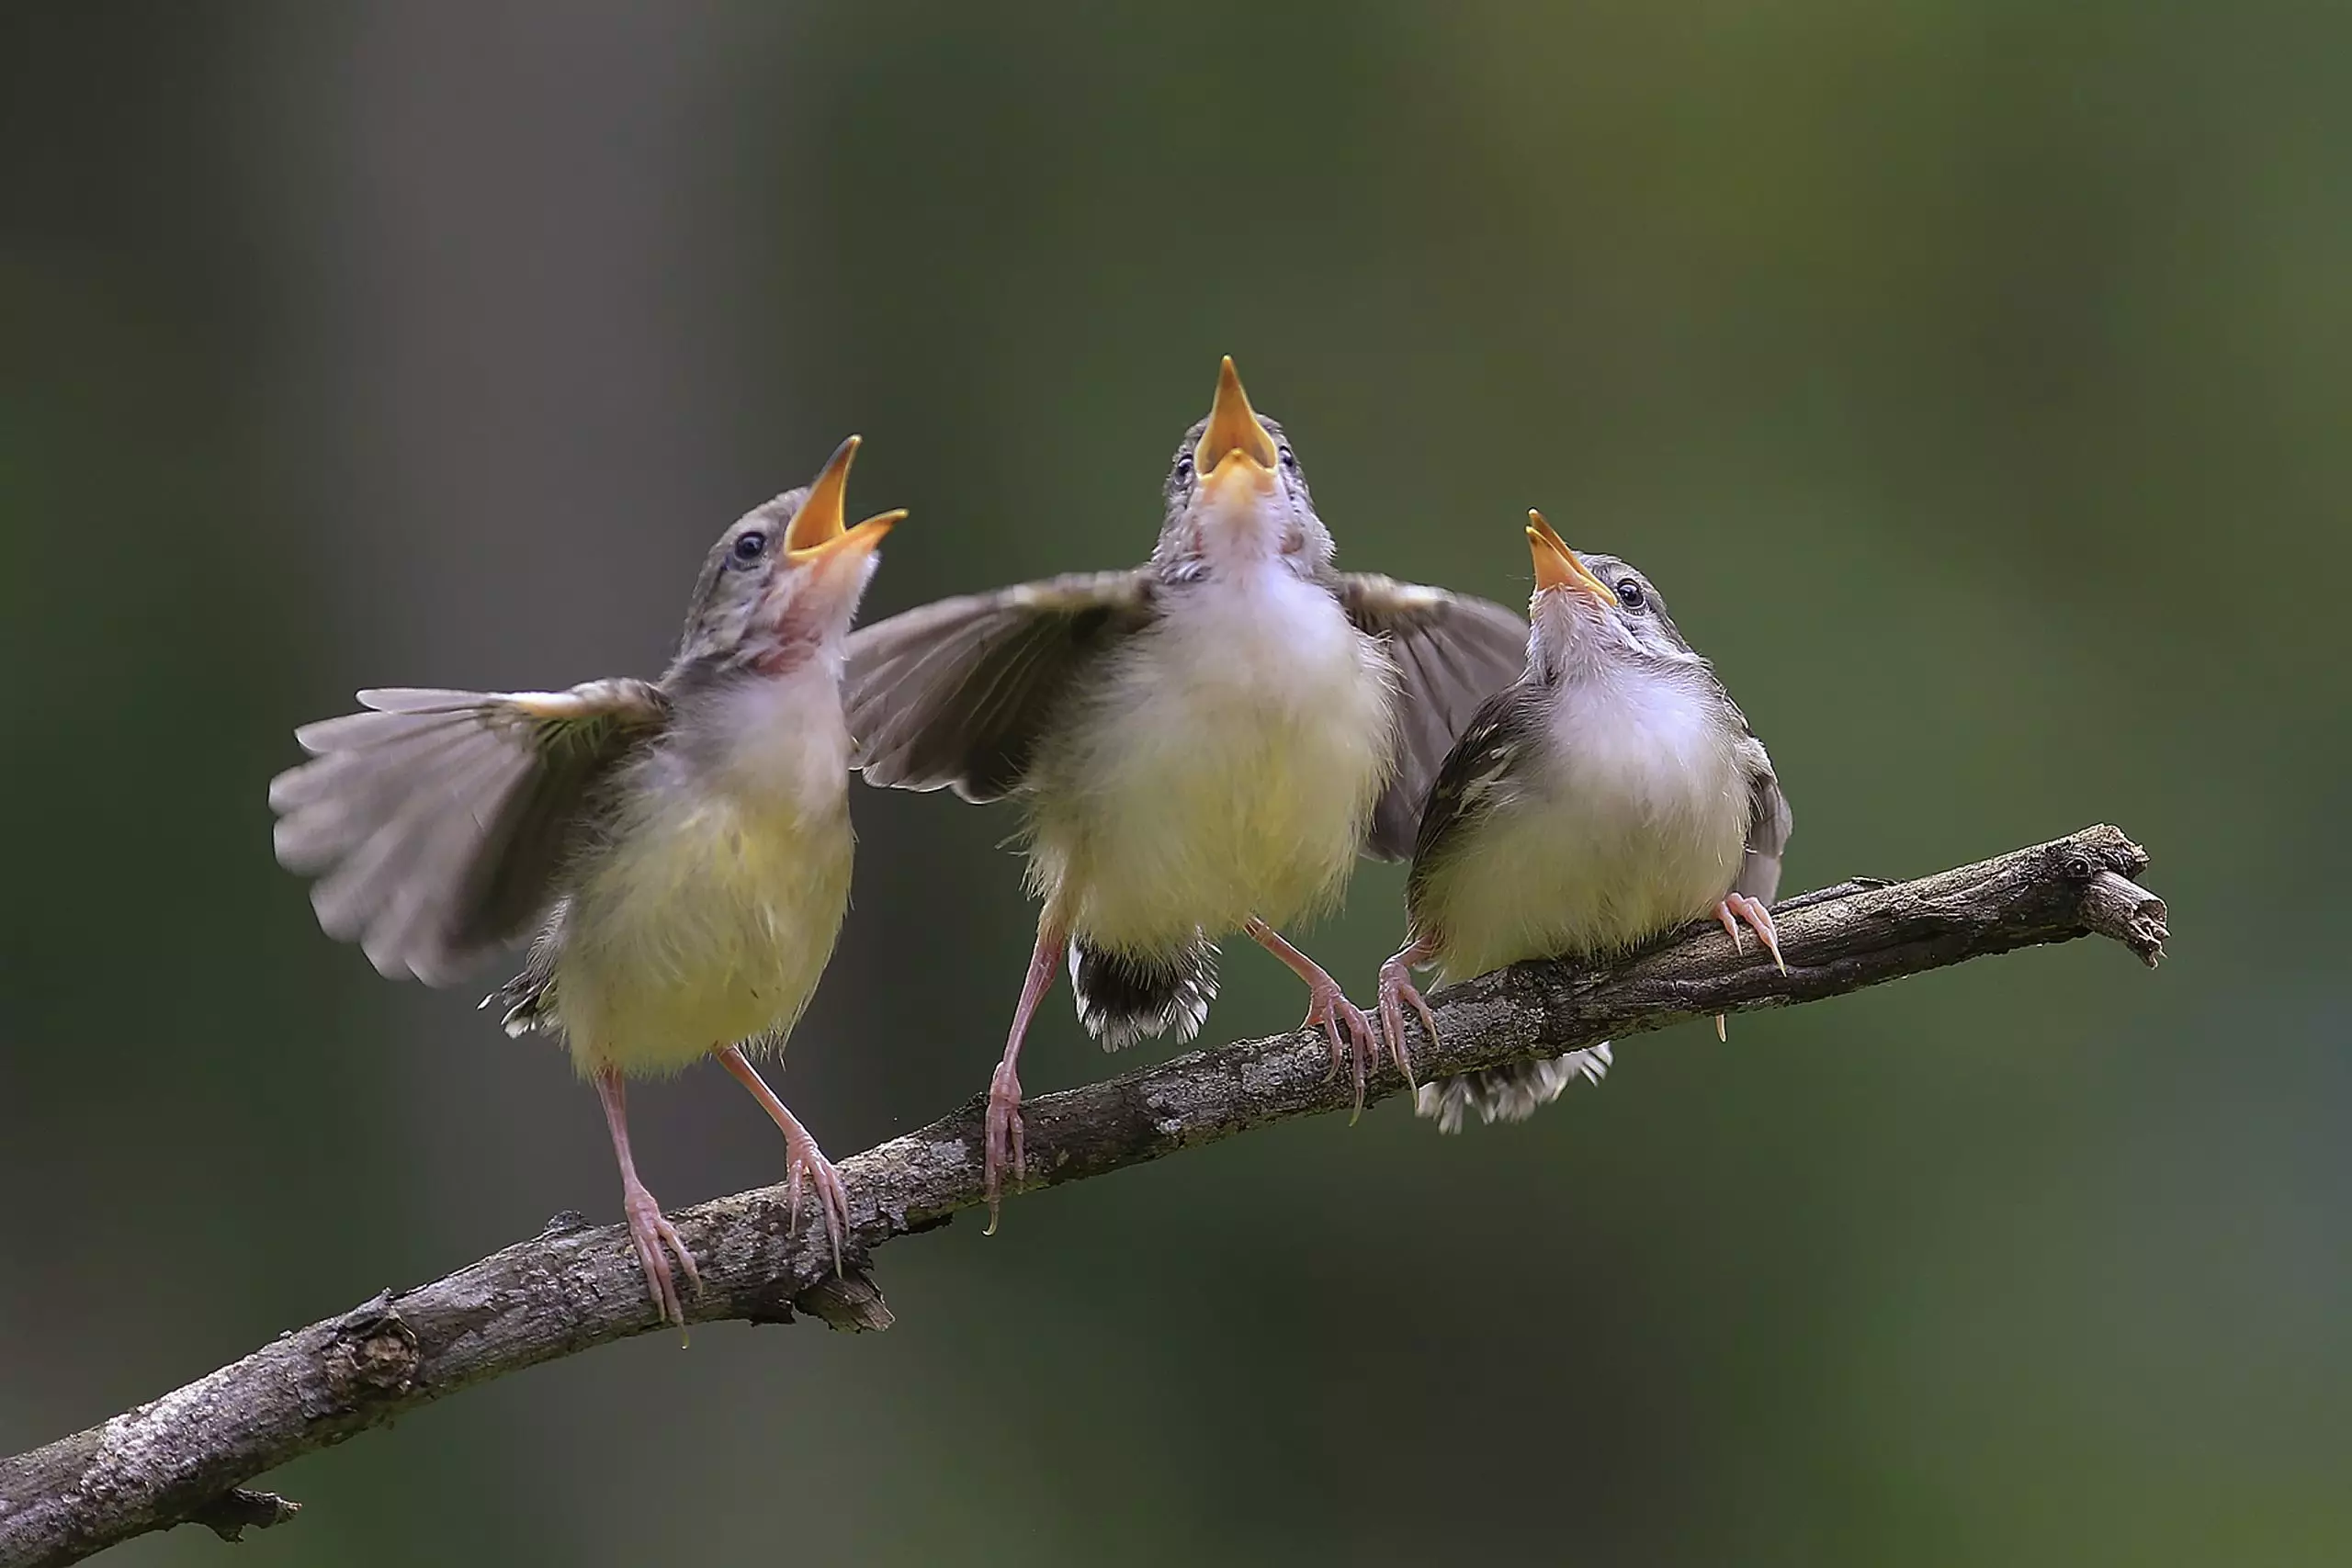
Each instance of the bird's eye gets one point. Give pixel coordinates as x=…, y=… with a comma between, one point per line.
x=1184, y=470
x=1629, y=593
x=751, y=546
x=1289, y=460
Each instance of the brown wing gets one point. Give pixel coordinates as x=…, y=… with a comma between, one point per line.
x=955, y=693
x=1769, y=824
x=436, y=820
x=1452, y=652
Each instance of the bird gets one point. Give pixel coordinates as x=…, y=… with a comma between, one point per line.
x=1201, y=745
x=681, y=847
x=1611, y=793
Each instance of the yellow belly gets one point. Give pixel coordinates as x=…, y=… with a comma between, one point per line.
x=1227, y=770
x=706, y=927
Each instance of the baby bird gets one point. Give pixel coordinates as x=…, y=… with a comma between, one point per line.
x=681, y=846
x=1203, y=745
x=1611, y=793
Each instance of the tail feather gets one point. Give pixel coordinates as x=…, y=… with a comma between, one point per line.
x=528, y=1002
x=1509, y=1094
x=1126, y=996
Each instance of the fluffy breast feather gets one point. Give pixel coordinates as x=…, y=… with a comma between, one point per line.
x=708, y=913
x=1224, y=766
x=1630, y=820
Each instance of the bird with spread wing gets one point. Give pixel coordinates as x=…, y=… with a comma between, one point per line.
x=681, y=847
x=1201, y=745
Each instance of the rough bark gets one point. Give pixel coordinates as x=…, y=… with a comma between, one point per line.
x=184, y=1458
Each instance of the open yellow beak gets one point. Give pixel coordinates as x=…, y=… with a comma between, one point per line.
x=1556, y=565
x=816, y=533
x=1234, y=435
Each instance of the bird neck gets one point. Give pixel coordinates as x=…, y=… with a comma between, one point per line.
x=1238, y=536
x=767, y=734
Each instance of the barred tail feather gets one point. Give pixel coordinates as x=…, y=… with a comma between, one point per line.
x=1509, y=1094
x=1126, y=996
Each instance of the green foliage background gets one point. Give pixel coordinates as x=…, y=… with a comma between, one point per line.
x=1972, y=378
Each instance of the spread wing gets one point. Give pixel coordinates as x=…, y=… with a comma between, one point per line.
x=1769, y=824
x=955, y=693
x=1452, y=652
x=435, y=821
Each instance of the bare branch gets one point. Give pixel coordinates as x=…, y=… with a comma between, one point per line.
x=185, y=1457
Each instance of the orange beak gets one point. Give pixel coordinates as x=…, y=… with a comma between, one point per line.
x=1556, y=565
x=1235, y=443
x=816, y=533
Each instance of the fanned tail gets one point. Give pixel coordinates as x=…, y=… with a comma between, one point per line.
x=1126, y=996
x=1509, y=1094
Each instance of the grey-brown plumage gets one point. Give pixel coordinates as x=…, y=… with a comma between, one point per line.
x=1201, y=745
x=436, y=820
x=681, y=847
x=1611, y=793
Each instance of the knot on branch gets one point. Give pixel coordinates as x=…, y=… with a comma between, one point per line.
x=372, y=1356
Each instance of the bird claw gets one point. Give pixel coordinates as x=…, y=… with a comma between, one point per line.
x=1004, y=1140
x=650, y=1233
x=1737, y=907
x=1397, y=993
x=1329, y=1011
x=805, y=1161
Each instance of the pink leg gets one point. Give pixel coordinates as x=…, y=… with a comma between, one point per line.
x=648, y=1231
x=1397, y=991
x=801, y=1154
x=1327, y=1008
x=1003, y=1142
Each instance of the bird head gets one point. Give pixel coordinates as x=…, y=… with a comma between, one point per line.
x=1236, y=495
x=786, y=579
x=1593, y=606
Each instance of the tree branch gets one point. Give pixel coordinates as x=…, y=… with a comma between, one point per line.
x=183, y=1458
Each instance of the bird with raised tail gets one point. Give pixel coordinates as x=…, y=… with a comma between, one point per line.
x=1611, y=793
x=681, y=847
x=1201, y=745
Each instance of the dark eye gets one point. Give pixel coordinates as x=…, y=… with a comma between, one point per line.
x=1184, y=470
x=751, y=546
x=1288, y=460
x=1629, y=593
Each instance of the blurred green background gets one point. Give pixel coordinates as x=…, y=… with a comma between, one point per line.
x=1972, y=378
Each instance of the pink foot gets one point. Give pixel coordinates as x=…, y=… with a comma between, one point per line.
x=650, y=1233
x=805, y=1161
x=1737, y=907
x=1004, y=1142
x=1397, y=993
x=1329, y=1009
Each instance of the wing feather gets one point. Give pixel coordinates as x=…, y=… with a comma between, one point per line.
x=435, y=821
x=954, y=695
x=1770, y=823
x=1452, y=652
x=1472, y=780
